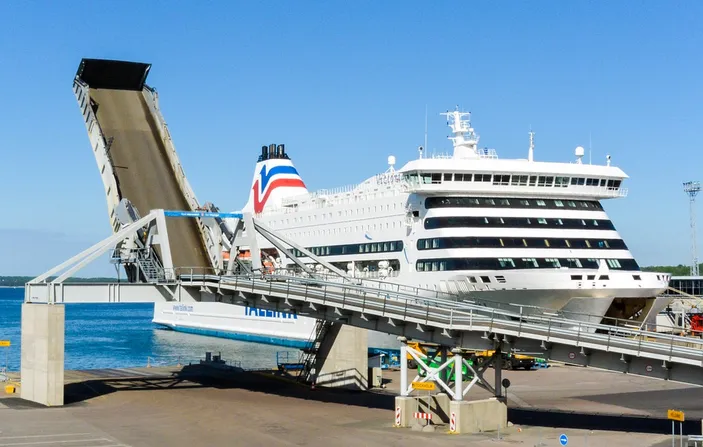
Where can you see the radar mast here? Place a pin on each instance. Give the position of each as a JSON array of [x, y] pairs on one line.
[[465, 139]]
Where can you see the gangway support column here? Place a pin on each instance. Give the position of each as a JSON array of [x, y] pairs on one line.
[[343, 359], [42, 369], [404, 404], [478, 415], [498, 369]]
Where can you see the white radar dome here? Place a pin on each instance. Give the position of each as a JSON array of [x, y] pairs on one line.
[[579, 151], [391, 160]]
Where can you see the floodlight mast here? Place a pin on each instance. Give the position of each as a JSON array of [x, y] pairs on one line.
[[692, 189]]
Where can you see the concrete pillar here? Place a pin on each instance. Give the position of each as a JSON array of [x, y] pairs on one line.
[[405, 406], [42, 362], [479, 415], [438, 407], [343, 358], [497, 368]]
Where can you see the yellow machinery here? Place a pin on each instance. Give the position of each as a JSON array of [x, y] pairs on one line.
[[510, 361]]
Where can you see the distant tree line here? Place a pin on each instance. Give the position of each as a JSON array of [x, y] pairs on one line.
[[20, 281]]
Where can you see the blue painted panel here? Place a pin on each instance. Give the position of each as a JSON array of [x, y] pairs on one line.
[[171, 213]]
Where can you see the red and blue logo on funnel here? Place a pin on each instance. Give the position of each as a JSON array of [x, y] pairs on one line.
[[285, 177]]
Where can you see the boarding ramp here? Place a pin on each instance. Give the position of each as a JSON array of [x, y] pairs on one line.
[[136, 157], [410, 312]]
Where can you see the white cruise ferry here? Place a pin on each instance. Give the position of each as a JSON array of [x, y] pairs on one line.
[[501, 232]]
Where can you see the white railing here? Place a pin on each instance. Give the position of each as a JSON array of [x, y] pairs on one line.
[[377, 284], [480, 153], [468, 188], [335, 193], [461, 316], [99, 146]]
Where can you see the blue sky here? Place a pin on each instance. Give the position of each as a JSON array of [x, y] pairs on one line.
[[344, 85]]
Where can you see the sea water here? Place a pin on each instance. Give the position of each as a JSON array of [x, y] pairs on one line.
[[122, 335]]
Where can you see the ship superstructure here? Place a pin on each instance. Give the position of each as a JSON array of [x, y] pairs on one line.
[[497, 231]]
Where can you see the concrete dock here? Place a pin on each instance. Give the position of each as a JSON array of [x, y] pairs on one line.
[[191, 406], [577, 389]]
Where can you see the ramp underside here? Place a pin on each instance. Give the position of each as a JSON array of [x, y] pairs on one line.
[[101, 73], [143, 172]]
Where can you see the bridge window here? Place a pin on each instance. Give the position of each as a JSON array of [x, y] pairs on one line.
[[431, 223], [507, 242], [428, 265], [519, 180], [501, 179], [485, 202]]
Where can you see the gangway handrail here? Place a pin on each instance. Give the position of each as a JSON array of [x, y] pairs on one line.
[[452, 305], [416, 292], [476, 313], [554, 331]]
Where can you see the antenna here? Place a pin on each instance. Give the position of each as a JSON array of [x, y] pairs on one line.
[[425, 125], [692, 188], [531, 151]]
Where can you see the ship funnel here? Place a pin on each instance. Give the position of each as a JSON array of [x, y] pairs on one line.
[[275, 178]]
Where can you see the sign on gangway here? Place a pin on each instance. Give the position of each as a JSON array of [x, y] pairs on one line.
[[675, 415], [4, 343], [202, 214], [428, 386]]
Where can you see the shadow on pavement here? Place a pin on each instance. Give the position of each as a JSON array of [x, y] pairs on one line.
[[200, 376]]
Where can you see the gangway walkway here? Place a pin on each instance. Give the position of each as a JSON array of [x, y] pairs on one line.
[[394, 309]]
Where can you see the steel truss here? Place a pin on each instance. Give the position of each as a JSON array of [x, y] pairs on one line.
[[454, 388]]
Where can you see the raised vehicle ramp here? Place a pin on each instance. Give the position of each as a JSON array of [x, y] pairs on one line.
[[135, 154]]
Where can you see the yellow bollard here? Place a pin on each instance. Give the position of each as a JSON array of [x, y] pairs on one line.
[[10, 389]]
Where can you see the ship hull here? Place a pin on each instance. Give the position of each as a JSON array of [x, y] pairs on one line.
[[249, 324]]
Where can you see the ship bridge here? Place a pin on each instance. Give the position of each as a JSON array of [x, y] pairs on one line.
[[173, 247]]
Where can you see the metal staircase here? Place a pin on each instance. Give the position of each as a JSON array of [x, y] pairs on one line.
[[150, 266], [321, 330]]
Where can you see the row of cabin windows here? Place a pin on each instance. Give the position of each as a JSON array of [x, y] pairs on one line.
[[488, 202], [520, 180], [395, 206], [340, 230], [439, 243], [432, 223], [435, 265], [353, 249]]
